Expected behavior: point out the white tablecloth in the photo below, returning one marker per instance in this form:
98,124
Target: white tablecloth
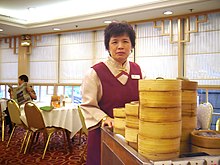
64,117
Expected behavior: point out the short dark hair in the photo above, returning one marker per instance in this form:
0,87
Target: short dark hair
23,77
117,29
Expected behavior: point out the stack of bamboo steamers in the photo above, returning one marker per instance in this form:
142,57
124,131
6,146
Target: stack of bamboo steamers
159,125
189,114
160,119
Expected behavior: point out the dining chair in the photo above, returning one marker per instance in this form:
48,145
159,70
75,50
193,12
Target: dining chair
15,113
82,130
36,124
3,123
204,115
218,125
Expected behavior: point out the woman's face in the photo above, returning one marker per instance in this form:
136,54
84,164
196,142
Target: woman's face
20,81
120,48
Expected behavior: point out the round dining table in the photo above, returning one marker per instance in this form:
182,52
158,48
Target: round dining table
66,117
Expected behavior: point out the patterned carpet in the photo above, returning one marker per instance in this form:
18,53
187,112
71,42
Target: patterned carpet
56,154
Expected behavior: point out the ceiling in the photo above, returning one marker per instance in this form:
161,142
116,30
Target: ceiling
16,19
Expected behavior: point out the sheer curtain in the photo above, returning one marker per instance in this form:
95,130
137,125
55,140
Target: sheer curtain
76,55
44,60
8,63
202,59
101,53
154,53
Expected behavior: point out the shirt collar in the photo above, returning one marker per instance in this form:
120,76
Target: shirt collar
118,65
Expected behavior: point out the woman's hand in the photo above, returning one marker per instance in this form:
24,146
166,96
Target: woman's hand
31,92
29,89
108,121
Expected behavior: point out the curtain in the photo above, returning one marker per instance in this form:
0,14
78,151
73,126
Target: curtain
202,59
8,63
44,60
154,53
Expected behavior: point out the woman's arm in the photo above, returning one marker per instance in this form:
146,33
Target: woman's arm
31,92
91,90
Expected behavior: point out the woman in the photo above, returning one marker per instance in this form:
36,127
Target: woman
23,92
109,85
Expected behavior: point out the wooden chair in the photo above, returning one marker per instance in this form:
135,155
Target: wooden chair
218,125
3,123
204,115
36,124
14,112
82,130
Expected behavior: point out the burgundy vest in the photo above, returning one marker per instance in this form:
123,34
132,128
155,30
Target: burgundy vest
115,94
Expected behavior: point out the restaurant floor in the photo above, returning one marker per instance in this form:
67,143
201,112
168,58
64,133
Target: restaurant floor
56,152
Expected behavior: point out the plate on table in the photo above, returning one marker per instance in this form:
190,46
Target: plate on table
47,108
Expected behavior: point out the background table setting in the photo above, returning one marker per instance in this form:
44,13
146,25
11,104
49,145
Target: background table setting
66,117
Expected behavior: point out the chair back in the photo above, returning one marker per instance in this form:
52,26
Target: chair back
33,115
0,111
204,114
84,129
218,125
14,112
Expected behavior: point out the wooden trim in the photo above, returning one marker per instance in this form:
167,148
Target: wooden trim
217,87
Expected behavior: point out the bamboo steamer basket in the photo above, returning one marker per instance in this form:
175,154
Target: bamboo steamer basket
210,151
132,121
156,145
186,134
188,85
132,108
163,130
159,119
212,141
119,112
159,85
189,97
189,109
119,131
134,145
189,122
131,134
158,149
160,98
160,93
119,120
185,147
119,123
160,114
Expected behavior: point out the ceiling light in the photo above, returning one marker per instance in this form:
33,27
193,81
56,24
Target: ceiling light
107,21
56,29
167,12
1,30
